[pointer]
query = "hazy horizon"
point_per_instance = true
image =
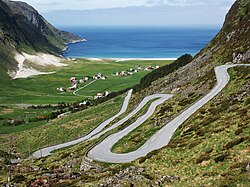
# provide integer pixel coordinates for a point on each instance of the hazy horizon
(161, 13)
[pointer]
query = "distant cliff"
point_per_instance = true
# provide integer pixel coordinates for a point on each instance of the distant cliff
(22, 28)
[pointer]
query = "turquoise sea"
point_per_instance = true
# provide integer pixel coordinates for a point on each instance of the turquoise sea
(138, 42)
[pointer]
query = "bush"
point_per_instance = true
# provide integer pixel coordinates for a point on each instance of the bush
(13, 122)
(202, 158)
(201, 132)
(163, 71)
(149, 155)
(19, 178)
(234, 143)
(221, 158)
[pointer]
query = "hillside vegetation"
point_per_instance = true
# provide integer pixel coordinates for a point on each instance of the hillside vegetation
(210, 149)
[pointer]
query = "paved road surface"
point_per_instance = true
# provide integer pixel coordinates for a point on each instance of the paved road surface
(102, 152)
(161, 98)
(47, 151)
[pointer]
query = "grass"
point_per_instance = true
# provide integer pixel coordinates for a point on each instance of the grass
(141, 134)
(60, 130)
(210, 149)
(42, 89)
(20, 113)
(217, 157)
(34, 90)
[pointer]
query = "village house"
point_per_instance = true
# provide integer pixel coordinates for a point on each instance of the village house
(63, 115)
(81, 81)
(148, 68)
(73, 87)
(99, 76)
(100, 95)
(84, 103)
(61, 89)
(130, 73)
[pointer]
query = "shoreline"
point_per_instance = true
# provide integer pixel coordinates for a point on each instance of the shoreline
(114, 59)
(127, 59)
(73, 42)
(76, 41)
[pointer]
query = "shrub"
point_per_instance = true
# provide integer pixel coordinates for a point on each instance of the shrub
(19, 178)
(149, 155)
(13, 122)
(238, 131)
(194, 144)
(201, 132)
(221, 158)
(202, 158)
(234, 143)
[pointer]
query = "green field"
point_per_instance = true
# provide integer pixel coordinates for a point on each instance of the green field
(42, 89)
(20, 113)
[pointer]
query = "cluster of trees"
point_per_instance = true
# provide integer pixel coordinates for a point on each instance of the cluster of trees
(61, 109)
(13, 122)
(61, 105)
(58, 109)
(161, 72)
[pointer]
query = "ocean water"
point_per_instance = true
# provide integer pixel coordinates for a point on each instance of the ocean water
(138, 42)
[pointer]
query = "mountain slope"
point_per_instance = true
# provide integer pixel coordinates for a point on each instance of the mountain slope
(22, 28)
(210, 149)
(232, 42)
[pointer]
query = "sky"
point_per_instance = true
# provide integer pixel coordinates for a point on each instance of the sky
(133, 12)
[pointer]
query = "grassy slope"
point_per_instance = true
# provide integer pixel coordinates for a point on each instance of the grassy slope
(219, 51)
(210, 149)
(20, 113)
(113, 82)
(60, 130)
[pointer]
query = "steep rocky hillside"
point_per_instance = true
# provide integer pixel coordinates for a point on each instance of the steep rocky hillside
(212, 147)
(22, 28)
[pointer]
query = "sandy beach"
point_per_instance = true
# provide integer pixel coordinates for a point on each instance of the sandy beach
(40, 59)
(128, 59)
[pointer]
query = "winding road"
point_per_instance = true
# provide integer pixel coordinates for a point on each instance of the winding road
(102, 151)
(47, 151)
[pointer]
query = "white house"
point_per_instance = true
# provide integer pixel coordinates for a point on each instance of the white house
(61, 89)
(81, 81)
